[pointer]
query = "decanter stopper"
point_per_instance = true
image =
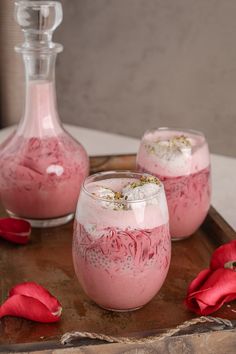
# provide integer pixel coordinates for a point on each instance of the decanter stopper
(38, 20)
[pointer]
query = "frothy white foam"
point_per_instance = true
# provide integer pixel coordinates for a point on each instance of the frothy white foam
(142, 193)
(172, 149)
(149, 211)
(172, 153)
(176, 156)
(145, 191)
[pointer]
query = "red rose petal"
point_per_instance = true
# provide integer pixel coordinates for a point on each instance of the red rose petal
(198, 281)
(27, 307)
(31, 301)
(218, 288)
(223, 255)
(36, 291)
(15, 230)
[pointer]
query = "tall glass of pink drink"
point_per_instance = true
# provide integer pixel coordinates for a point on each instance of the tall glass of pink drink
(121, 244)
(180, 159)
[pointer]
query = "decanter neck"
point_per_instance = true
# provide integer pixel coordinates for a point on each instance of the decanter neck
(40, 116)
(39, 66)
(38, 20)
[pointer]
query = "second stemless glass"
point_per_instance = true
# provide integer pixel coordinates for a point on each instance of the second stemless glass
(180, 159)
(121, 247)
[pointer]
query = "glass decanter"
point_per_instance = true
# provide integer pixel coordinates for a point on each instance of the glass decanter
(42, 166)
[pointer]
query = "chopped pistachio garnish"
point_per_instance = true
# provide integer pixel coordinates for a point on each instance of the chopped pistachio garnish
(109, 197)
(118, 195)
(149, 179)
(180, 139)
(150, 149)
(134, 185)
(177, 142)
(119, 206)
(144, 180)
(105, 196)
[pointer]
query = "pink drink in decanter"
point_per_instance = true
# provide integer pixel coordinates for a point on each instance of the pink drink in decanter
(42, 166)
(121, 244)
(180, 159)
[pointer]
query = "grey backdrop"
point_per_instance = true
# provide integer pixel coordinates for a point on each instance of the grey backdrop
(129, 65)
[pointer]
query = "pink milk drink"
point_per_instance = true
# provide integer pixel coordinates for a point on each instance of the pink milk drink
(121, 244)
(42, 166)
(180, 159)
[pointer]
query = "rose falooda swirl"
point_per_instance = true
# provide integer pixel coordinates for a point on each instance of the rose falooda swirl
(215, 285)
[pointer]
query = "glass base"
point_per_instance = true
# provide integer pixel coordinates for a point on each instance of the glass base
(121, 310)
(173, 239)
(41, 223)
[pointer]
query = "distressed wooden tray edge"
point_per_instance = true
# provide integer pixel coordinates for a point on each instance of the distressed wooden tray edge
(208, 335)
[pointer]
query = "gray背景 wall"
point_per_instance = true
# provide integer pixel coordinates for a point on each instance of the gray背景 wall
(129, 65)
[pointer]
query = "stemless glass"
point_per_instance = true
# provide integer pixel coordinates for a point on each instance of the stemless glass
(180, 159)
(121, 247)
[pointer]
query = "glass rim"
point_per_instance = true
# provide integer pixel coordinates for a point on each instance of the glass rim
(38, 3)
(174, 129)
(128, 174)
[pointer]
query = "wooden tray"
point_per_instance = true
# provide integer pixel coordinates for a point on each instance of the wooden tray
(48, 261)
